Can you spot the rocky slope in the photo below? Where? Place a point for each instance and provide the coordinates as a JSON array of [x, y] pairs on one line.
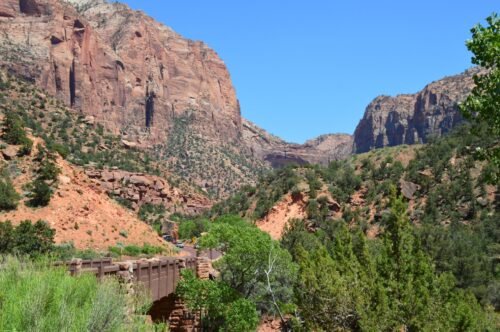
[[358, 188], [80, 212], [413, 118], [97, 172], [140, 188], [277, 152]]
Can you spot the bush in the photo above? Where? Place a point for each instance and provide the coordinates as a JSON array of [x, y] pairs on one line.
[[27, 238], [192, 228], [48, 170], [36, 297], [135, 251], [9, 198], [14, 132], [40, 195]]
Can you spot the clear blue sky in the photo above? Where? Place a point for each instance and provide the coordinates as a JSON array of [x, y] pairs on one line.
[[305, 68]]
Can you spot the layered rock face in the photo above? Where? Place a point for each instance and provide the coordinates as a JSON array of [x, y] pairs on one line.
[[277, 152], [133, 74], [413, 118]]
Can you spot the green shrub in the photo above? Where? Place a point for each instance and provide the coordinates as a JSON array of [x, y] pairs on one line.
[[132, 250], [123, 202], [192, 228], [36, 297], [14, 132], [153, 214], [27, 238], [135, 251], [48, 170], [9, 198], [40, 195]]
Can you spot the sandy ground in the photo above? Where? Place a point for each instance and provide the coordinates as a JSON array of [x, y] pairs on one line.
[[276, 220]]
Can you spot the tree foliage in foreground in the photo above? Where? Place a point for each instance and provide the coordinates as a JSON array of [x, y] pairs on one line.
[[347, 282], [253, 264], [256, 275], [483, 104], [220, 307]]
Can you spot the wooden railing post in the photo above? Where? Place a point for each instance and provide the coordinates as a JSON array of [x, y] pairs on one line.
[[101, 270], [76, 266]]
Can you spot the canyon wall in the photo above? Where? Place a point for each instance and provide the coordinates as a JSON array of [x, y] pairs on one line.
[[413, 118], [133, 74]]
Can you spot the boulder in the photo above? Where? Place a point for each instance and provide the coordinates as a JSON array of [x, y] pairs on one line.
[[107, 176], [408, 189], [482, 201], [128, 144], [93, 174], [140, 180], [159, 185], [333, 205], [64, 179], [89, 119], [10, 152]]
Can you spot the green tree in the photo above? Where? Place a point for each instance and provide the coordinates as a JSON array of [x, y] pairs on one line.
[[27, 238], [419, 299], [253, 264], [33, 239], [48, 170], [14, 133], [192, 228], [483, 104], [326, 298], [41, 194], [6, 237], [219, 306], [9, 198]]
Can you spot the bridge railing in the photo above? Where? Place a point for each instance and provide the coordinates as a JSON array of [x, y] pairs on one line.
[[160, 276]]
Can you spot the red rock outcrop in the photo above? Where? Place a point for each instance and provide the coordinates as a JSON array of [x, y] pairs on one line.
[[130, 72], [141, 188], [412, 118]]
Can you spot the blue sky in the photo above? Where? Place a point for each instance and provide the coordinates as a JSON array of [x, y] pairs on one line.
[[305, 68]]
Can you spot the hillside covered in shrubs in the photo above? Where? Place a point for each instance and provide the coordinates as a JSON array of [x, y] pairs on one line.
[[448, 210]]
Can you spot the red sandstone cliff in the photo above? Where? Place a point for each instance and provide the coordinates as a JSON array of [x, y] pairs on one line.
[[130, 72], [412, 118]]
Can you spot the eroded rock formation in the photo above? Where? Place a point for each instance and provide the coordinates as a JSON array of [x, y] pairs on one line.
[[130, 72], [413, 118], [140, 189]]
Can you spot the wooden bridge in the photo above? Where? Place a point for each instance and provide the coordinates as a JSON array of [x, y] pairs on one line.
[[160, 275]]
